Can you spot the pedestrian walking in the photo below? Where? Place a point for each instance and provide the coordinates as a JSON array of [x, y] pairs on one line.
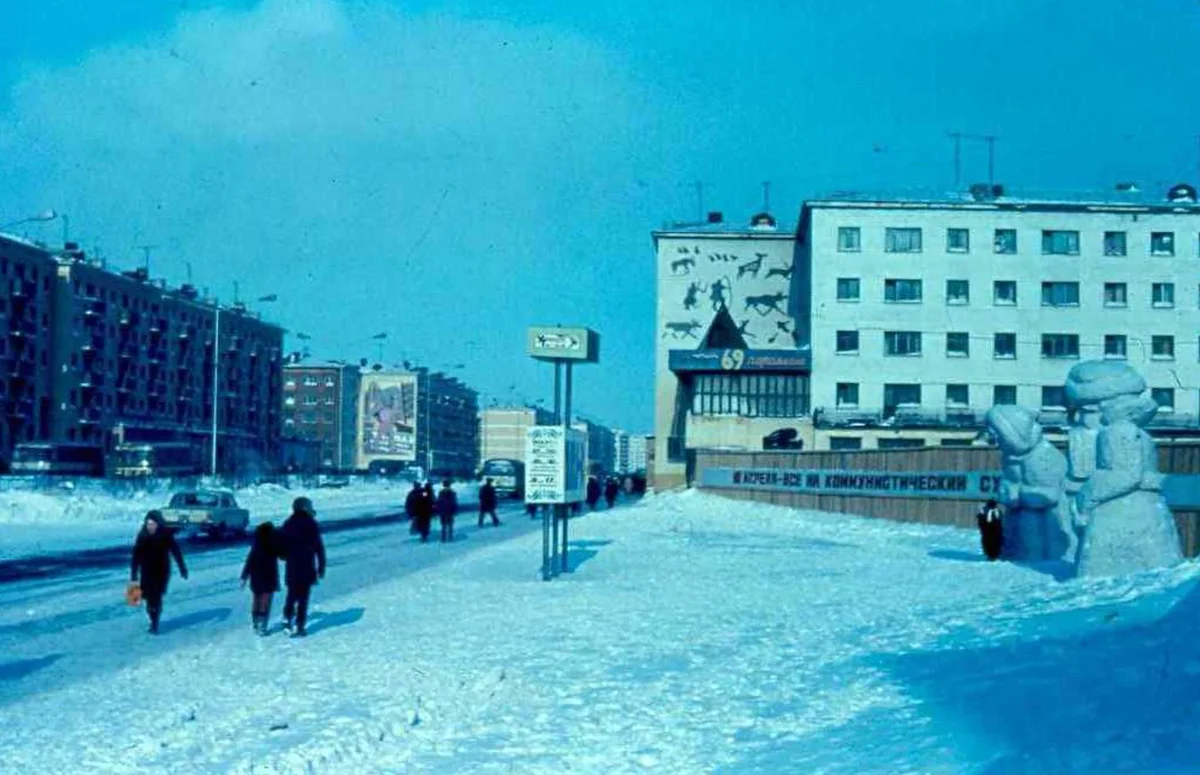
[[488, 502], [611, 488], [426, 511], [447, 507], [593, 492], [532, 510], [151, 564], [412, 507], [262, 572], [304, 558], [991, 531]]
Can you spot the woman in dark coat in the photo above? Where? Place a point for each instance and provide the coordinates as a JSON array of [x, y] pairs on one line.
[[304, 555], [426, 513], [151, 564], [593, 492], [262, 571], [991, 530], [611, 488], [447, 507], [412, 507]]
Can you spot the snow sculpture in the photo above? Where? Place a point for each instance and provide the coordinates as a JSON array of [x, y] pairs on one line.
[[1082, 438], [1036, 524], [1127, 526]]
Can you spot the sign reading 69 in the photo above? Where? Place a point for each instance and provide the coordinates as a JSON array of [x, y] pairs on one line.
[[732, 360]]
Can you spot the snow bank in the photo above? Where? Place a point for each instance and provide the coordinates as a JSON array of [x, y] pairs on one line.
[[694, 635]]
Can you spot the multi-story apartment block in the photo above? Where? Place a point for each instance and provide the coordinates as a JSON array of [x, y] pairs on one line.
[[601, 446], [637, 454], [620, 452], [448, 410], [898, 321], [502, 430], [320, 404], [923, 312], [91, 355]]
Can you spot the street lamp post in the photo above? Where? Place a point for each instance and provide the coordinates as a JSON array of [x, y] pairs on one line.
[[45, 215]]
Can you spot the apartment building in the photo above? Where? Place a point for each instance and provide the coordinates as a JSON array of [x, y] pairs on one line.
[[449, 412], [502, 430], [923, 312], [320, 403], [91, 355], [637, 454]]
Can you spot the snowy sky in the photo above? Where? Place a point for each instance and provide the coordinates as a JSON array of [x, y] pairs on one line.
[[451, 172]]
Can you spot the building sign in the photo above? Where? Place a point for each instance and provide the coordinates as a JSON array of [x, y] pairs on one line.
[[554, 462], [797, 361], [387, 418], [1182, 491], [554, 343]]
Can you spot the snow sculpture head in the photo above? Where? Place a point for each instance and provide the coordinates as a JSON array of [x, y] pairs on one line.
[[1015, 429]]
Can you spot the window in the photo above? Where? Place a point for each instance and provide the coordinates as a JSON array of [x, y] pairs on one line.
[[1162, 347], [848, 289], [1004, 395], [1054, 397], [902, 291], [1163, 295], [847, 394], [1164, 397], [1004, 292], [1060, 345], [900, 443], [845, 443], [1162, 243], [958, 240], [1114, 346], [901, 342], [751, 395], [1004, 346], [958, 344], [1115, 295], [958, 395], [1060, 294], [958, 292], [849, 239], [1006, 241], [310, 382], [847, 342], [289, 401], [1114, 243], [895, 395], [1060, 243], [903, 241]]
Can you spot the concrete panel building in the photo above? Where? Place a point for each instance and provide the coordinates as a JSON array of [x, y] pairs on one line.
[[502, 430]]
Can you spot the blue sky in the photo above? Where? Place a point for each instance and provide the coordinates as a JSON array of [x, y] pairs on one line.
[[451, 172]]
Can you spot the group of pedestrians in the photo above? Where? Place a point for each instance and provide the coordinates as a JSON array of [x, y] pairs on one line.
[[610, 490], [422, 506], [297, 543]]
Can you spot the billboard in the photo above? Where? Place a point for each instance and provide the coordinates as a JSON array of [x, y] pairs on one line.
[[387, 418]]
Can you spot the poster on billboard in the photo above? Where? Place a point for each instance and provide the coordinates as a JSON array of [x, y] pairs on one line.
[[387, 419], [554, 462]]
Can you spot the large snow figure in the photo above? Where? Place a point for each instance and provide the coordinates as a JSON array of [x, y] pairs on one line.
[[1036, 524], [1127, 526], [1082, 436]]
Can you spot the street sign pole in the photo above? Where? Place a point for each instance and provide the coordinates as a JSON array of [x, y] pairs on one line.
[[566, 424]]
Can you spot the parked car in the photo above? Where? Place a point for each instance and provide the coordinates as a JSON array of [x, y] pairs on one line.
[[214, 513]]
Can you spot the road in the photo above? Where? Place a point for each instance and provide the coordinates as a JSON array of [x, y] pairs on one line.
[[68, 622]]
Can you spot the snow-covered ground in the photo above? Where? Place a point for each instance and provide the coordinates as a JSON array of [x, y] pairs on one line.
[[53, 521], [694, 635]]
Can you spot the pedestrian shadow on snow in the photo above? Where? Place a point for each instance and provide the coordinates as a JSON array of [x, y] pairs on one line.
[[1110, 687], [208, 616], [579, 552], [14, 671], [1059, 569], [321, 621]]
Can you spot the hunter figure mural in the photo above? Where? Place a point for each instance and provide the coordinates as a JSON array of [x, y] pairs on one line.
[[1125, 524], [1037, 526]]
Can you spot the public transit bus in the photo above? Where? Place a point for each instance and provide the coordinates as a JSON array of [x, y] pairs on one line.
[[507, 475], [52, 459], [163, 459]]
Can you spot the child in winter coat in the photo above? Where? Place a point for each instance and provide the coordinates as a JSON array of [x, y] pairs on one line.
[[262, 571]]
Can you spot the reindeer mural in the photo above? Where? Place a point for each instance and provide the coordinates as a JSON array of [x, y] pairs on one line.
[[744, 330], [766, 303], [686, 330], [691, 300], [781, 327], [782, 271], [751, 268], [683, 266]]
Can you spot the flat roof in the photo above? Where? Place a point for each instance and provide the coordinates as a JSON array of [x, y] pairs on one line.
[[724, 229], [1136, 200]]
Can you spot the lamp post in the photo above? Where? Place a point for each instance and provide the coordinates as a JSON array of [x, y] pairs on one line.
[[42, 217]]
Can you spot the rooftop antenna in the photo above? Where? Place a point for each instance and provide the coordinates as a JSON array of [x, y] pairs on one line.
[[146, 256], [766, 196], [957, 138], [699, 201], [990, 140]]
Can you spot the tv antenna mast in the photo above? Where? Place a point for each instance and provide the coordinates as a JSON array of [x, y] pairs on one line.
[[990, 140]]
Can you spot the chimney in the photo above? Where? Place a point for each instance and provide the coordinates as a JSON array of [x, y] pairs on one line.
[[715, 217], [1182, 194]]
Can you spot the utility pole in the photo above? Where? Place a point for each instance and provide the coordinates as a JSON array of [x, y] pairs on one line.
[[991, 144], [146, 256], [699, 201], [766, 196], [957, 138]]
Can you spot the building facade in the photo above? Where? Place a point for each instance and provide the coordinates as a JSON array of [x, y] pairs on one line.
[[620, 452], [637, 454], [731, 362], [320, 405], [601, 446], [94, 356], [502, 430], [925, 312], [449, 411]]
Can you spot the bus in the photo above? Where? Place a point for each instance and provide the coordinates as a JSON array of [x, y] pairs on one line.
[[53, 459], [138, 460], [507, 475]]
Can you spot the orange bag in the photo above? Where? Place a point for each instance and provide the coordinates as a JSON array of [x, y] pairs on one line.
[[133, 593]]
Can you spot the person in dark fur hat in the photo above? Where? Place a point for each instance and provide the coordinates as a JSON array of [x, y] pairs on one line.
[[303, 552], [151, 564], [262, 572]]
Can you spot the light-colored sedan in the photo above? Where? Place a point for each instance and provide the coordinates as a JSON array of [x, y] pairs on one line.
[[215, 513]]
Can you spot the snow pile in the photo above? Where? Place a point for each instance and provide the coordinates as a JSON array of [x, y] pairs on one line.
[[694, 635]]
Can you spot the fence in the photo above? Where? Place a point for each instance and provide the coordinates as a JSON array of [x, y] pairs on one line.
[[960, 479]]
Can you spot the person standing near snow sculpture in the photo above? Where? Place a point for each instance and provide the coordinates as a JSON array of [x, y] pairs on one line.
[[152, 553], [1127, 525], [1030, 487], [991, 529]]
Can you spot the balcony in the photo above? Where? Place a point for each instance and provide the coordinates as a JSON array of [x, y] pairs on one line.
[[91, 345], [94, 310], [91, 381], [89, 417], [898, 417], [20, 289], [20, 370]]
